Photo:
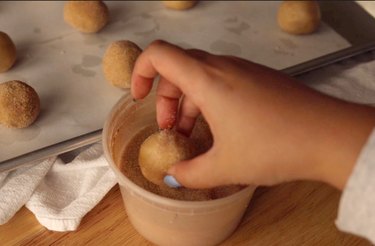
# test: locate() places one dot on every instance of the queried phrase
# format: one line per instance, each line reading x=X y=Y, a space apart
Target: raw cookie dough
x=19 y=104
x=7 y=52
x=179 y=5
x=202 y=141
x=160 y=151
x=299 y=17
x=118 y=62
x=86 y=16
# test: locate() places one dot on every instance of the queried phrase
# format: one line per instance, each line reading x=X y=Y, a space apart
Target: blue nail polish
x=171 y=181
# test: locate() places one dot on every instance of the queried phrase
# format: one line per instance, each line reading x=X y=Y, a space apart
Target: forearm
x=325 y=134
x=346 y=130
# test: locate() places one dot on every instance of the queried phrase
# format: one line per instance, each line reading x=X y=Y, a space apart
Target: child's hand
x=268 y=128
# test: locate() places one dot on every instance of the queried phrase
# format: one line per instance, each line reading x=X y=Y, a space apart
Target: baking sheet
x=64 y=66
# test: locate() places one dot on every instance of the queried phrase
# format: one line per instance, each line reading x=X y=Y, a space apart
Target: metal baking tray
x=72 y=116
x=95 y=136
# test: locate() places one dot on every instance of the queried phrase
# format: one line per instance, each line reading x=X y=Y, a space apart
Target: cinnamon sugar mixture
x=202 y=138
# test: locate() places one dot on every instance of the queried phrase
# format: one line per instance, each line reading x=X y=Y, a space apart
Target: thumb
x=197 y=173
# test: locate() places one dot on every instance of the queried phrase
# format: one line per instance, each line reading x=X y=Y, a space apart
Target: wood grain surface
x=299 y=213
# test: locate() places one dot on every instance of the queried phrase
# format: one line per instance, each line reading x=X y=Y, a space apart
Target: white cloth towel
x=16 y=187
x=356 y=212
x=58 y=194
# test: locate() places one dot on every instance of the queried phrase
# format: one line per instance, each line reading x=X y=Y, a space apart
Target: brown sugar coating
x=202 y=140
x=7 y=52
x=299 y=17
x=86 y=16
x=179 y=5
x=160 y=151
x=118 y=62
x=19 y=104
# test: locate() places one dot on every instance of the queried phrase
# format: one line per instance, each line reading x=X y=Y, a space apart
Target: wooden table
x=300 y=213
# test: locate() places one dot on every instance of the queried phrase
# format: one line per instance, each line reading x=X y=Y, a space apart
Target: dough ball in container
x=160 y=151
x=299 y=17
x=179 y=5
x=86 y=16
x=19 y=104
x=118 y=62
x=7 y=52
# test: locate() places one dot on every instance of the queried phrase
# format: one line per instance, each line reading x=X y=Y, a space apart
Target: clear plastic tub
x=162 y=220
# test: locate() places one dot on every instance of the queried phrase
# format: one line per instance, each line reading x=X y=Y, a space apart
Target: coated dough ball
x=118 y=62
x=160 y=151
x=19 y=104
x=299 y=17
x=86 y=16
x=179 y=5
x=7 y=52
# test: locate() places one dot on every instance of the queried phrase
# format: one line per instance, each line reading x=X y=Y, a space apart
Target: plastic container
x=162 y=220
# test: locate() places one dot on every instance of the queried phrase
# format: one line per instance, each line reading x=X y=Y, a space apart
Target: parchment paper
x=64 y=66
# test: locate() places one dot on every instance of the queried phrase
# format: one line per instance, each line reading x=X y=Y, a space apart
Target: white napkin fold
x=17 y=186
x=60 y=197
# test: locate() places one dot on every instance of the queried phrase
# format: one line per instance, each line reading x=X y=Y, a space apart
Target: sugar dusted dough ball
x=19 y=104
x=299 y=17
x=118 y=62
x=160 y=151
x=179 y=5
x=86 y=16
x=7 y=52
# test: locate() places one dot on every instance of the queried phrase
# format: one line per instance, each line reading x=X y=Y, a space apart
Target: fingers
x=198 y=54
x=188 y=114
x=141 y=85
x=167 y=101
x=197 y=173
x=174 y=64
x=180 y=73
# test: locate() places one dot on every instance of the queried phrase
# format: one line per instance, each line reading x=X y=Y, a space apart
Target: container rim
x=147 y=195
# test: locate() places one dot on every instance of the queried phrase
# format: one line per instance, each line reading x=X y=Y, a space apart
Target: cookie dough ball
x=19 y=104
x=179 y=5
x=160 y=151
x=7 y=52
x=299 y=17
x=118 y=62
x=86 y=16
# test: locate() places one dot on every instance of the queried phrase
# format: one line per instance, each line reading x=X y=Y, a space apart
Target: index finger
x=172 y=63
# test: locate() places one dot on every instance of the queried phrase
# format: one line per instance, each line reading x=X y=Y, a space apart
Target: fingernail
x=171 y=181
